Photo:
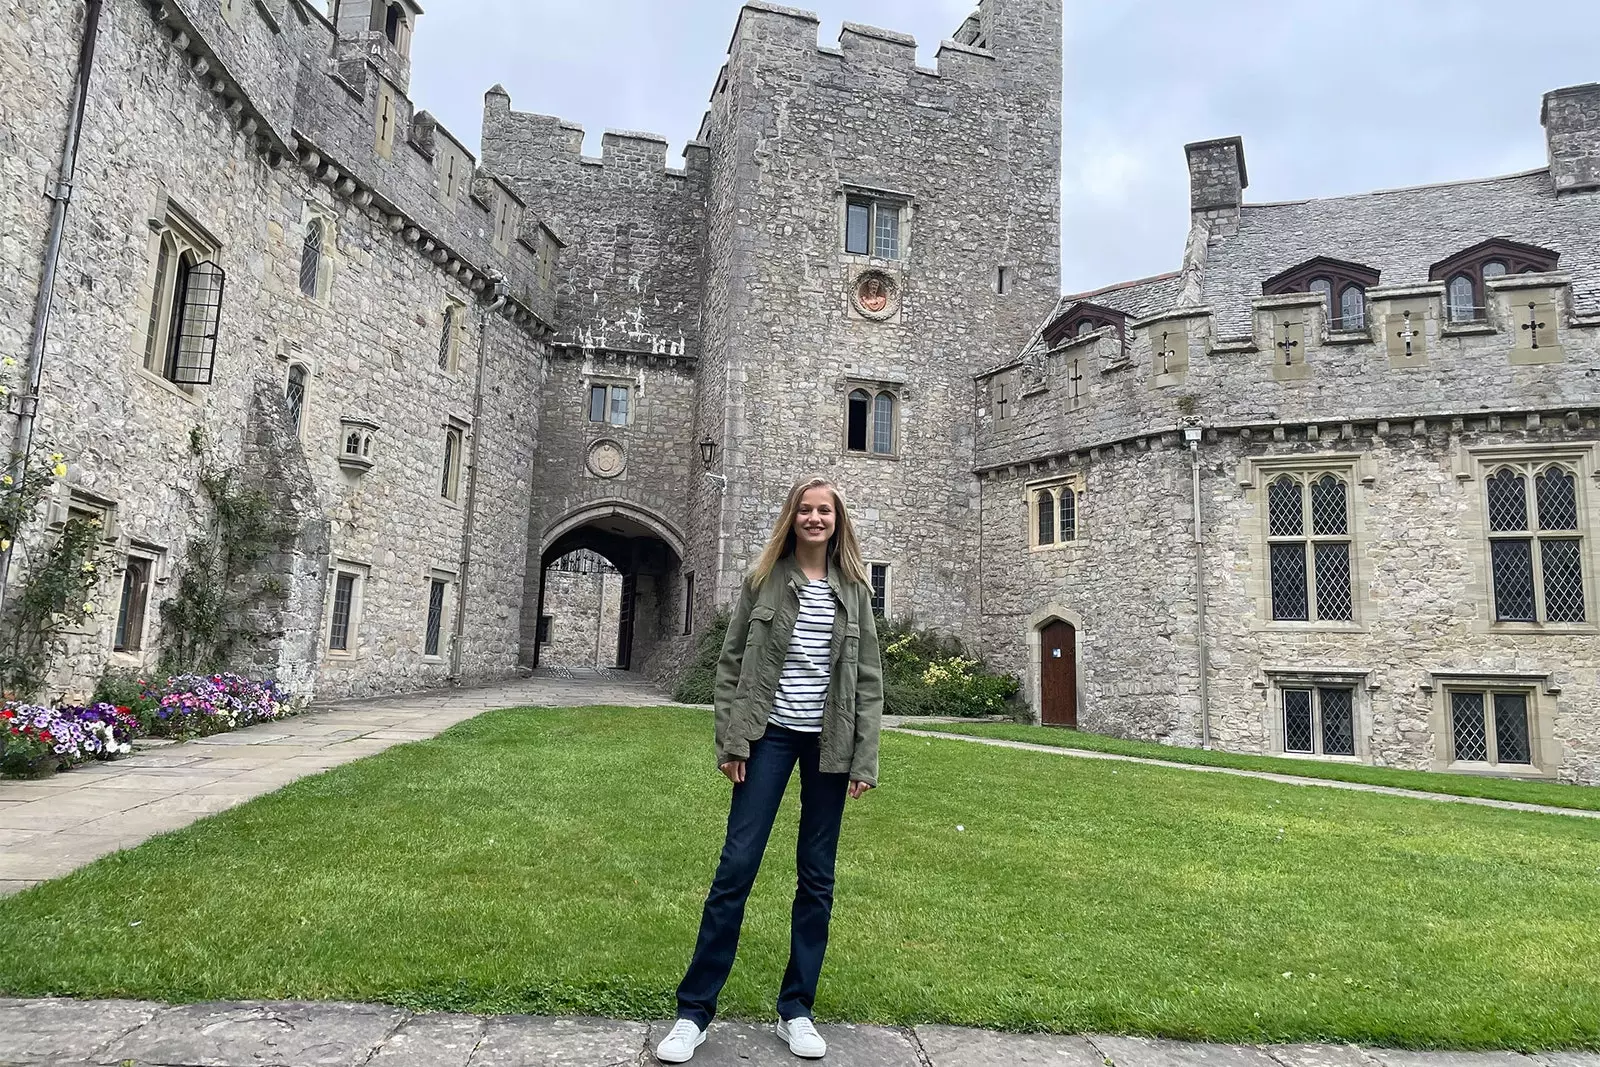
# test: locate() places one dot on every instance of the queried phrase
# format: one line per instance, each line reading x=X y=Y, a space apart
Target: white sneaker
x=803 y=1038
x=679 y=1046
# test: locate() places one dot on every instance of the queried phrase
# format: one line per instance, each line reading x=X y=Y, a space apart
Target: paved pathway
x=1270 y=776
x=55 y=825
x=292 y=1034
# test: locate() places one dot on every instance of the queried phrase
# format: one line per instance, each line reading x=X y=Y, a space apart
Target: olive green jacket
x=752 y=659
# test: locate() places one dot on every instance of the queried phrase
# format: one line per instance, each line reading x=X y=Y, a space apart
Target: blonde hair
x=844 y=551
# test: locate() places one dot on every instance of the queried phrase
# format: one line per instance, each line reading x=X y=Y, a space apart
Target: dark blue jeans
x=755 y=806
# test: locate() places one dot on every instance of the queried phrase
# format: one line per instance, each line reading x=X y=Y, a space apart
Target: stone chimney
x=1217 y=178
x=1571 y=119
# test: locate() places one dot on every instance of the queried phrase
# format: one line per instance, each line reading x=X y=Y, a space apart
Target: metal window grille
x=430 y=645
x=197 y=315
x=856 y=422
x=344 y=592
x=311 y=257
x=880 y=587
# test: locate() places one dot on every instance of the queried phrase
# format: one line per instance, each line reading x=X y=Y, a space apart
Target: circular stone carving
x=874 y=295
x=606 y=459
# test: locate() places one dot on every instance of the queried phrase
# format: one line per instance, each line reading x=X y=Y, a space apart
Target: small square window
x=1491 y=726
x=872 y=227
x=1319 y=721
x=609 y=404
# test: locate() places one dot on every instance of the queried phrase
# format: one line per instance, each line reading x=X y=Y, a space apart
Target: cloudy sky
x=1331 y=97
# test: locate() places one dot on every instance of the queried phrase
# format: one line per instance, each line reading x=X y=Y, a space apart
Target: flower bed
x=37 y=740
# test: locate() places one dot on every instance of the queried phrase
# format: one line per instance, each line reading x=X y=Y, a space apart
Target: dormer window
x=1342 y=285
x=1083 y=320
x=1464 y=274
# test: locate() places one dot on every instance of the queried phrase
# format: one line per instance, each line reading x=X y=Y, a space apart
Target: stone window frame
x=1340 y=278
x=1033 y=494
x=453 y=465
x=1542 y=694
x=153 y=559
x=322 y=282
x=385 y=120
x=1254 y=476
x=360 y=574
x=444 y=581
x=1474 y=465
x=876 y=201
x=1310 y=541
x=874 y=392
x=630 y=389
x=1469 y=265
x=176 y=241
x=1361 y=684
x=880 y=599
x=508 y=214
x=357 y=444
x=452 y=332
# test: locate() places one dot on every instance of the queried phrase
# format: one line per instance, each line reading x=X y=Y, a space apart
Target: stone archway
x=646 y=549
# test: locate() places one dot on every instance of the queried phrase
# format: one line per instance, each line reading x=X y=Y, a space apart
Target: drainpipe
x=458 y=628
x=1192 y=433
x=28 y=403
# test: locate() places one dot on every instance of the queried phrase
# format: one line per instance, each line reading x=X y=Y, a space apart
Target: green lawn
x=1458 y=785
x=555 y=861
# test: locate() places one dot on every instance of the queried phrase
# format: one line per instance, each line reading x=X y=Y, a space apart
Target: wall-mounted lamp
x=708 y=456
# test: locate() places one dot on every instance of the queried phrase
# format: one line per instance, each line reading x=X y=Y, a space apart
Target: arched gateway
x=647 y=549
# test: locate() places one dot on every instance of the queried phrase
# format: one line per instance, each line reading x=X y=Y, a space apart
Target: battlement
x=772 y=27
x=525 y=145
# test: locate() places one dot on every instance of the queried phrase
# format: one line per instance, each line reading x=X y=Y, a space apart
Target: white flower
x=88 y=607
x=961 y=829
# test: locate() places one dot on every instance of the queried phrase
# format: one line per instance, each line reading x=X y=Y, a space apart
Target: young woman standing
x=799 y=682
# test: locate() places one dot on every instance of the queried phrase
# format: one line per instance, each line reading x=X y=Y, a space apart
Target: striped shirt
x=803 y=685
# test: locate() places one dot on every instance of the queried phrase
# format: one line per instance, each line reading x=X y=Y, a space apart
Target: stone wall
x=973 y=148
x=582 y=607
x=1421 y=586
x=162 y=128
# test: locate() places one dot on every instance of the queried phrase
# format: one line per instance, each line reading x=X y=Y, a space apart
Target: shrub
x=697 y=682
x=124 y=688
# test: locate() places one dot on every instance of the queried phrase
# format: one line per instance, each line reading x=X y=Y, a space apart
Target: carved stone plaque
x=874 y=295
x=606 y=459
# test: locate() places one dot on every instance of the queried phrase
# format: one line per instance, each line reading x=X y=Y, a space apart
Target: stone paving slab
x=279 y=1034
x=954 y=1046
x=35 y=1031
x=1394 y=1058
x=431 y=1041
x=1320 y=1056
x=1156 y=1052
x=519 y=1040
x=736 y=1044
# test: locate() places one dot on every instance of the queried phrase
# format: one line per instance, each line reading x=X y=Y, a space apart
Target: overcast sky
x=1331 y=97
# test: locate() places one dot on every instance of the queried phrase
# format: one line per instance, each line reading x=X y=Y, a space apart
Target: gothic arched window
x=1466 y=272
x=1327 y=277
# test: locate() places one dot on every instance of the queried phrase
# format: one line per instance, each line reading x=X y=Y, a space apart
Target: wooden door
x=625 y=623
x=1058 y=675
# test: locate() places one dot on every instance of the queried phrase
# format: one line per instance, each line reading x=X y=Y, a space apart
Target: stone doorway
x=1058 y=674
x=619 y=605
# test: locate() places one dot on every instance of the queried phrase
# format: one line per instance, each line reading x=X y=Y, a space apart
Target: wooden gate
x=1058 y=675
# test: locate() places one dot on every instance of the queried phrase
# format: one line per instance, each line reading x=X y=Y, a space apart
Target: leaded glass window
x=1319 y=720
x=294 y=391
x=447 y=339
x=883 y=424
x=344 y=594
x=1047 y=516
x=1460 y=299
x=1069 y=513
x=1491 y=726
x=1309 y=548
x=435 y=624
x=1352 y=308
x=450 y=482
x=1535 y=553
x=311 y=257
x=880 y=588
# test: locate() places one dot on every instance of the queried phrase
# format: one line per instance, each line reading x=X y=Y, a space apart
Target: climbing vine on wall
x=214 y=617
x=56 y=594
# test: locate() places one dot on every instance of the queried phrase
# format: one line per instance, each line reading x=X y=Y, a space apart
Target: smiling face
x=815 y=518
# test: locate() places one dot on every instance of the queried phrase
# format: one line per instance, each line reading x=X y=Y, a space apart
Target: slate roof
x=1135 y=299
x=1401 y=233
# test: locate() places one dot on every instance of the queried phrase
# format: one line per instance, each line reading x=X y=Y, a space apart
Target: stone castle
x=1327 y=489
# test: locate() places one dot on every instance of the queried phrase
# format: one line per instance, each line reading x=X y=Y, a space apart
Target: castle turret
x=376 y=32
